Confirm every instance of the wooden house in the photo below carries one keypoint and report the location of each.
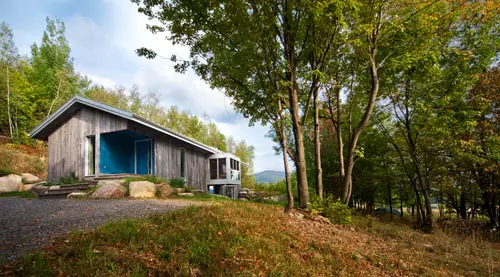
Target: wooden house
(93, 140)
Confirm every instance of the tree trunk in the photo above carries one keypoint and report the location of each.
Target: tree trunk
(317, 146)
(289, 193)
(362, 124)
(290, 77)
(401, 202)
(390, 195)
(463, 208)
(339, 139)
(55, 99)
(8, 102)
(284, 146)
(337, 126)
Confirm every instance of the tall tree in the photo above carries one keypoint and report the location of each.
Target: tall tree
(8, 56)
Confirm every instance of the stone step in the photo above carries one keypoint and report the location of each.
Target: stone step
(56, 191)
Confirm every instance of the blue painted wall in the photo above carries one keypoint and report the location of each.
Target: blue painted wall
(117, 152)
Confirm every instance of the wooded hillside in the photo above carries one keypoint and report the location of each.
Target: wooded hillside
(375, 102)
(34, 86)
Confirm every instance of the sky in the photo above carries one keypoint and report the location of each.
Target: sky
(103, 35)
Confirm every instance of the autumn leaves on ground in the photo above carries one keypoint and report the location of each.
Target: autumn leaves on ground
(241, 238)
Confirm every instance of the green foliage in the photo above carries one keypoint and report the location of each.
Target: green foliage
(70, 179)
(6, 171)
(336, 211)
(22, 194)
(177, 182)
(150, 178)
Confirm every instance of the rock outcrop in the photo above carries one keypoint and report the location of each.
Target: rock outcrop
(29, 178)
(165, 190)
(109, 189)
(11, 182)
(142, 189)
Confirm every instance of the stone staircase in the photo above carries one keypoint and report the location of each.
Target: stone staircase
(61, 191)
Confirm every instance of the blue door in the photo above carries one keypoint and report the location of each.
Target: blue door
(143, 157)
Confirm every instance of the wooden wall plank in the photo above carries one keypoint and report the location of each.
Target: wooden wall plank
(67, 148)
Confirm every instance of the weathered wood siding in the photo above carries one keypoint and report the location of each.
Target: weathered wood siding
(167, 162)
(67, 143)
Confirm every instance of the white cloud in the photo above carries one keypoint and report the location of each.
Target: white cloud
(103, 46)
(103, 81)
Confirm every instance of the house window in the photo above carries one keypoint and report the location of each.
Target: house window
(213, 169)
(90, 156)
(222, 168)
(230, 191)
(183, 163)
(235, 165)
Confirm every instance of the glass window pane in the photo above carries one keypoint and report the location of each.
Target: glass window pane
(213, 169)
(222, 168)
(91, 155)
(183, 165)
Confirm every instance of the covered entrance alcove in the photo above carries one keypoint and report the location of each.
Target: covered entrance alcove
(121, 152)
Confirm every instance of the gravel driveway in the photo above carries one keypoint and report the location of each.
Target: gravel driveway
(27, 224)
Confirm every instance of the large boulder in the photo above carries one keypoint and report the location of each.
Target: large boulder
(29, 178)
(28, 187)
(165, 190)
(109, 190)
(142, 189)
(11, 182)
(116, 181)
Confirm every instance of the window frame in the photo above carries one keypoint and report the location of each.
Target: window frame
(182, 163)
(88, 144)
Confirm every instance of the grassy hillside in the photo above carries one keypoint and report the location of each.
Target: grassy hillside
(23, 158)
(248, 239)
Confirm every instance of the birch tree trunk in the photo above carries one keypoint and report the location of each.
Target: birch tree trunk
(8, 102)
(317, 146)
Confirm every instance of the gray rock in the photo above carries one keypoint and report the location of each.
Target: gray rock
(29, 178)
(11, 182)
(142, 189)
(54, 187)
(38, 190)
(299, 215)
(114, 182)
(180, 190)
(357, 256)
(198, 191)
(28, 187)
(110, 190)
(428, 247)
(188, 194)
(323, 219)
(76, 195)
(165, 190)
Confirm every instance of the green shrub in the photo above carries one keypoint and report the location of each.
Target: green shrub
(70, 179)
(6, 171)
(150, 178)
(336, 211)
(177, 183)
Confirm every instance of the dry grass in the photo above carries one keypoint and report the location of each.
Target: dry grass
(231, 238)
(22, 158)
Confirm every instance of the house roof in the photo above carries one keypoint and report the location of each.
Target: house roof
(51, 123)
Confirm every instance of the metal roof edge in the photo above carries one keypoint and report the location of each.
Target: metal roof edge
(83, 100)
(121, 113)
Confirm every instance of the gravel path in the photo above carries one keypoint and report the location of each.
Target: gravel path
(27, 224)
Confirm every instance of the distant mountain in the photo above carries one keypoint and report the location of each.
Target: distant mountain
(269, 176)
